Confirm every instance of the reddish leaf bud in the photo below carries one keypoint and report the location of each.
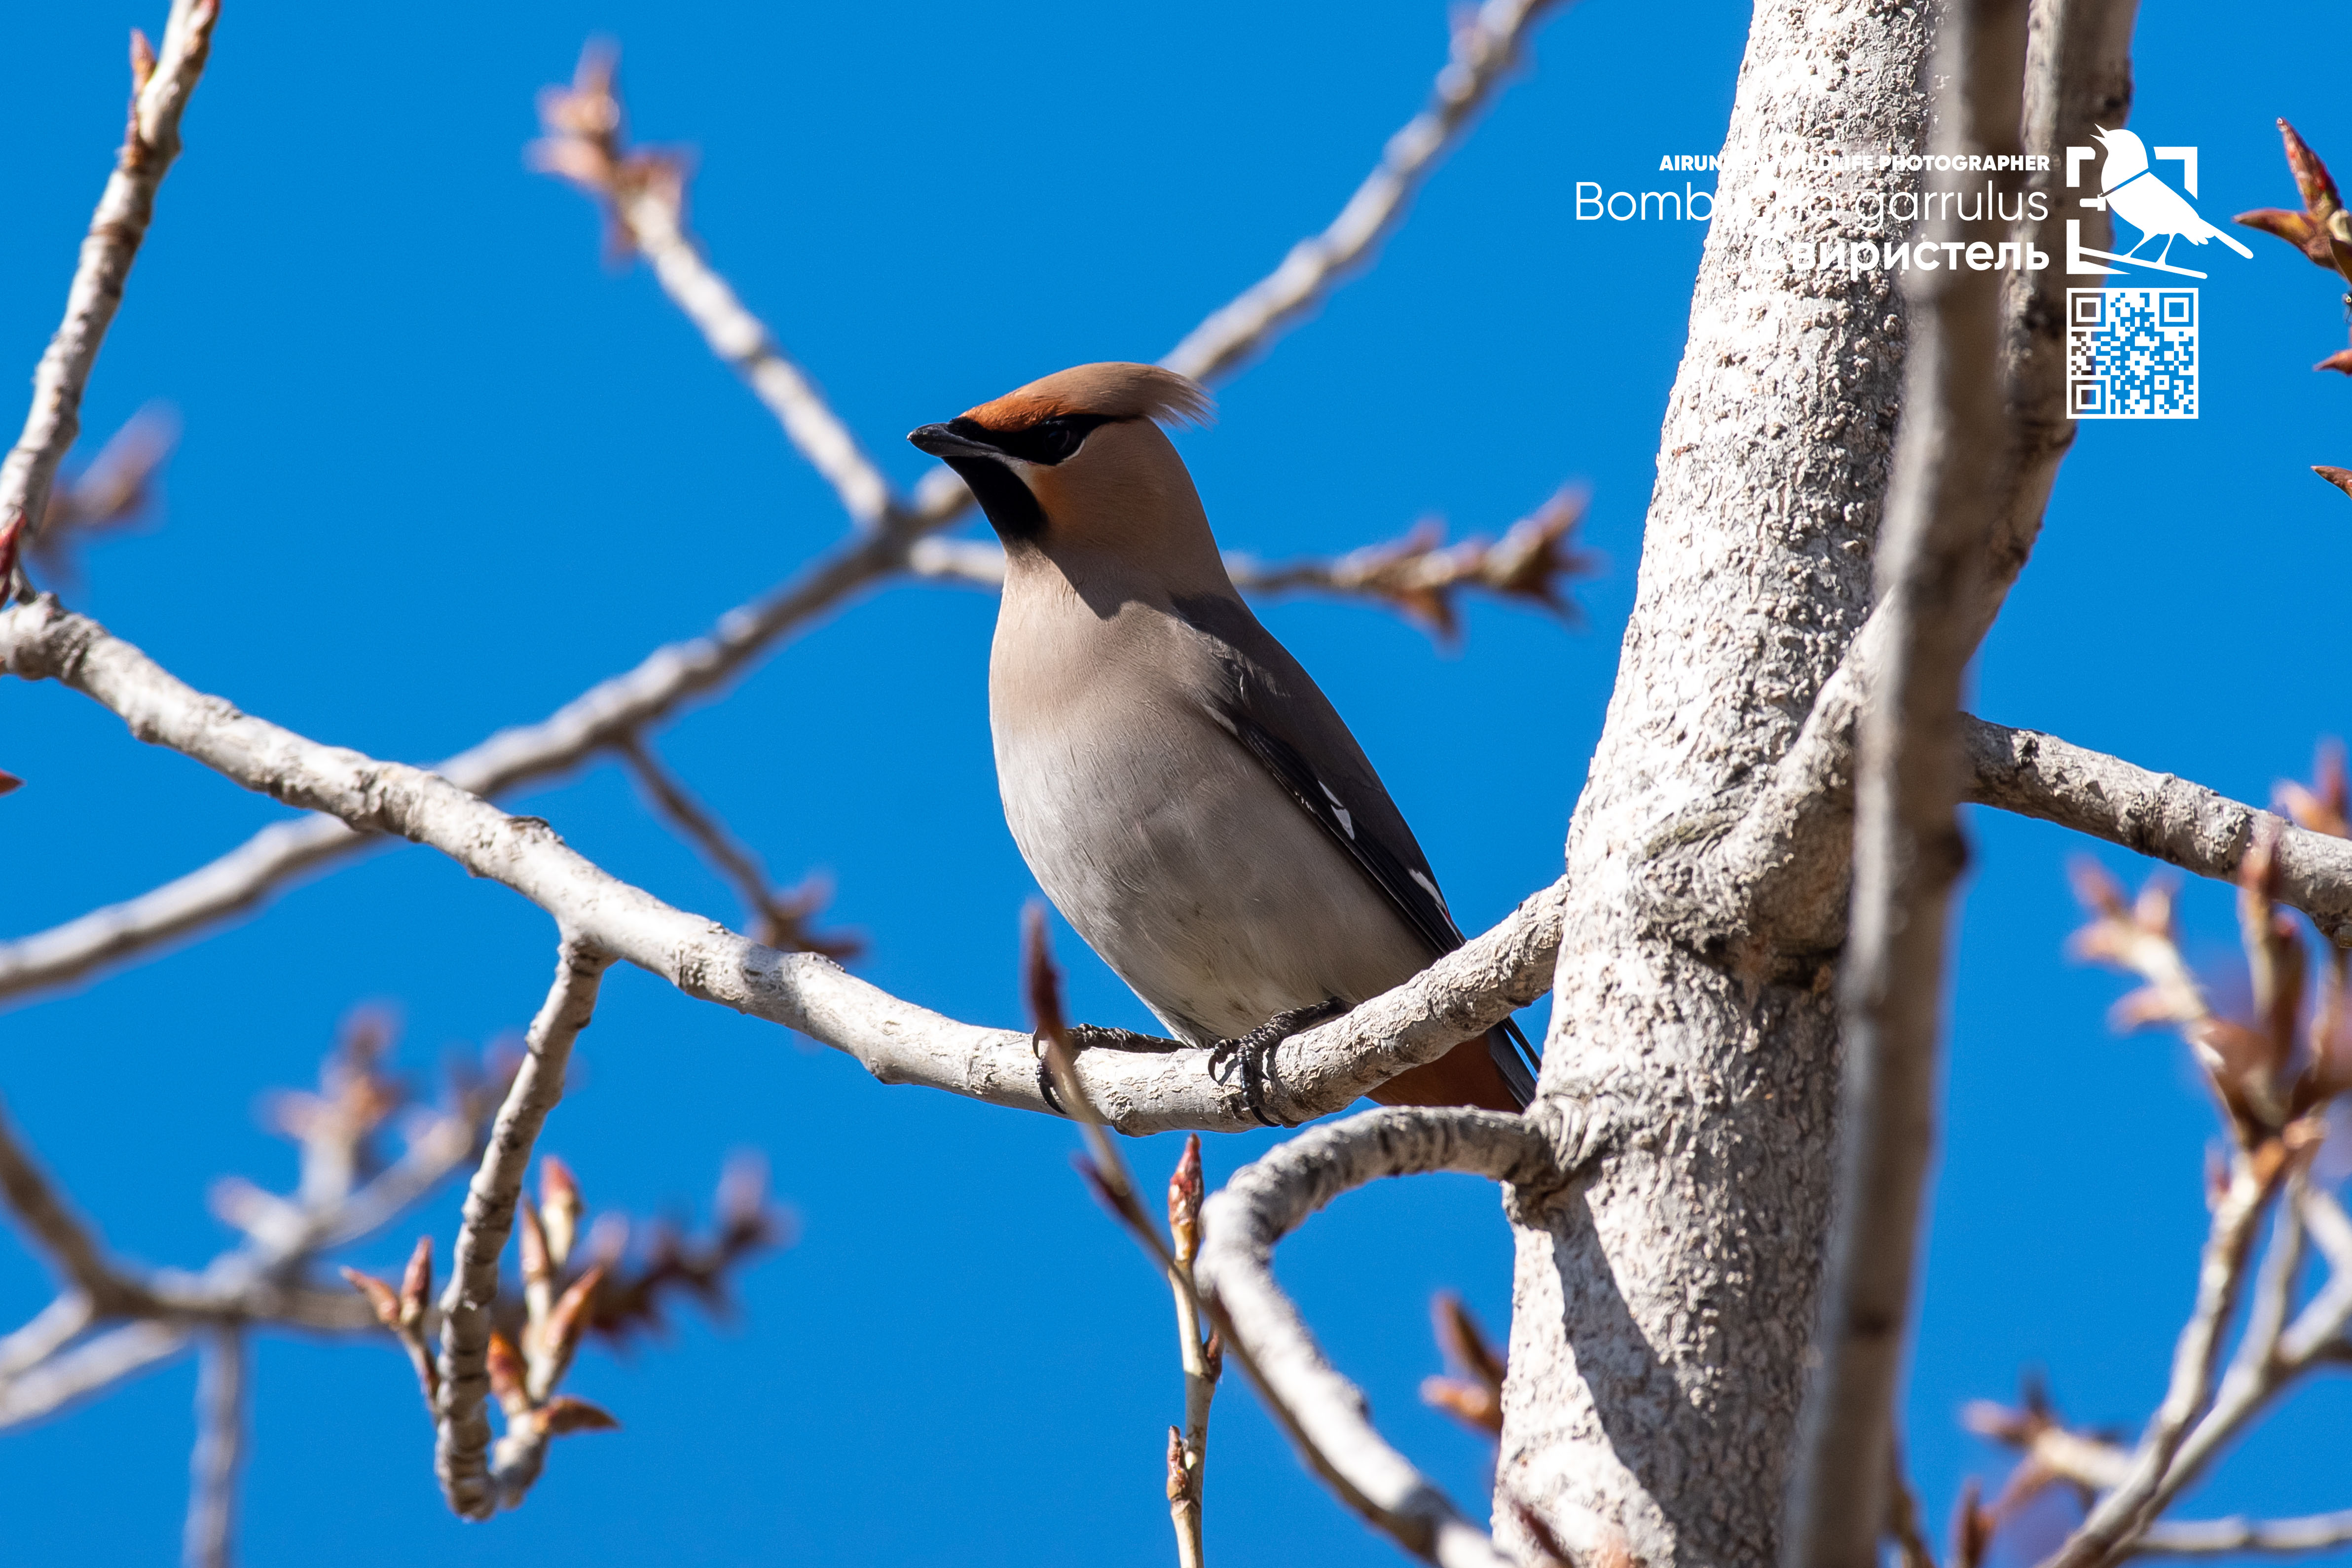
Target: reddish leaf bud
(564, 1414)
(1184, 1203)
(380, 1297)
(560, 1209)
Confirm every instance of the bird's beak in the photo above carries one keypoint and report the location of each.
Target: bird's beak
(940, 442)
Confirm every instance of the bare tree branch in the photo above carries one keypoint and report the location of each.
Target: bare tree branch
(1326, 1414)
(2155, 814)
(1421, 574)
(463, 1436)
(2314, 1336)
(1314, 1073)
(1486, 45)
(219, 1453)
(160, 85)
(1951, 458)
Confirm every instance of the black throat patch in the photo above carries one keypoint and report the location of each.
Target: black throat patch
(1012, 506)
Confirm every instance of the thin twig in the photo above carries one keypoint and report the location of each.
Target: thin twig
(1485, 46)
(219, 1452)
(160, 83)
(2124, 1513)
(1952, 454)
(782, 917)
(71, 1245)
(643, 197)
(462, 1441)
(2311, 1338)
(1202, 1358)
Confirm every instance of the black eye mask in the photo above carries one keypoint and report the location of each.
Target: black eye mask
(1046, 443)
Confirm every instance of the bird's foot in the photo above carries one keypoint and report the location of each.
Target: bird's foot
(1092, 1037)
(1254, 1051)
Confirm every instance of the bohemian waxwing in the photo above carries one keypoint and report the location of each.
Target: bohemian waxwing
(1185, 795)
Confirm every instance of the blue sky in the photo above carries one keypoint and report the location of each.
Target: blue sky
(443, 467)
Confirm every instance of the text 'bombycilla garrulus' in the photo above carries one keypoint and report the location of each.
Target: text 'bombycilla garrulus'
(1185, 795)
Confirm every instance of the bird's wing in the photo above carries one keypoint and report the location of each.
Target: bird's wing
(1268, 701)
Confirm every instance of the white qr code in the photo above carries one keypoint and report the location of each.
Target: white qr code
(2131, 353)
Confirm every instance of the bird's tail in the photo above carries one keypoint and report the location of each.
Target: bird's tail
(2231, 241)
(1515, 1059)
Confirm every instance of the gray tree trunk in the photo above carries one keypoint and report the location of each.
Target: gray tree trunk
(1660, 1321)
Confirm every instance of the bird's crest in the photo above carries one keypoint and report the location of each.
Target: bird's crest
(1112, 390)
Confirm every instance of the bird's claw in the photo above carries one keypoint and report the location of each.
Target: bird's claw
(1254, 1052)
(1045, 1077)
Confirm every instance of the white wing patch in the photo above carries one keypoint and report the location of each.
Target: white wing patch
(1347, 822)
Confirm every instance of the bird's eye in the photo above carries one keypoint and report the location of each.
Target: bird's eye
(1056, 439)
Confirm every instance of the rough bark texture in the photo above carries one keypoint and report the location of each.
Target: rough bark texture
(1661, 1320)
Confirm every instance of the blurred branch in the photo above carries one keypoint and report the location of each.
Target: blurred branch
(628, 1294)
(781, 915)
(1485, 46)
(463, 1431)
(2276, 1076)
(1321, 1070)
(72, 1248)
(1473, 1396)
(115, 489)
(2078, 79)
(1955, 452)
(677, 674)
(1324, 1414)
(347, 1193)
(97, 1363)
(160, 83)
(2213, 1537)
(51, 1329)
(219, 1452)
